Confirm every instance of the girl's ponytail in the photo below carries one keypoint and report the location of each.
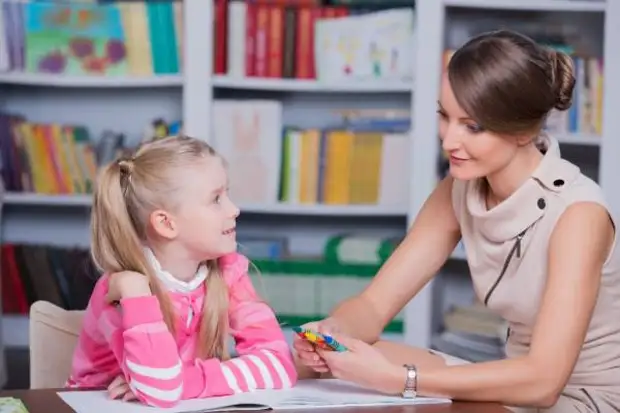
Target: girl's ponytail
(115, 241)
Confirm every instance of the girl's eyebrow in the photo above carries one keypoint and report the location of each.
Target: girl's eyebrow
(218, 189)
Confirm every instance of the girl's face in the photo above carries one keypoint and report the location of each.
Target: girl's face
(472, 152)
(205, 219)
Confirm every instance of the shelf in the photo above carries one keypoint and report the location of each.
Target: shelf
(17, 198)
(296, 85)
(33, 79)
(24, 199)
(525, 5)
(579, 139)
(325, 210)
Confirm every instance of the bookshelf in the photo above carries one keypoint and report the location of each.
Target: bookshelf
(129, 103)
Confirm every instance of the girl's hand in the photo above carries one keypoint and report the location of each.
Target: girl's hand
(126, 284)
(119, 389)
(364, 365)
(306, 351)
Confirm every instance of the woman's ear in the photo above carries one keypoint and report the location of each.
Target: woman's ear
(163, 224)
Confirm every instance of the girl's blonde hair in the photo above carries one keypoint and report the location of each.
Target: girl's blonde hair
(127, 191)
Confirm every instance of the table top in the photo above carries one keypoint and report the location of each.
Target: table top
(47, 400)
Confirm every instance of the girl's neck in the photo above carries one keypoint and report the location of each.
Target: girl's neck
(176, 263)
(505, 182)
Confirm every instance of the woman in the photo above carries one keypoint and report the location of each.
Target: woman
(540, 246)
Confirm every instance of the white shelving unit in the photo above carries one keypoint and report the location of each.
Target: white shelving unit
(130, 103)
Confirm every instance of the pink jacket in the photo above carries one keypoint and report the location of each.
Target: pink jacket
(161, 369)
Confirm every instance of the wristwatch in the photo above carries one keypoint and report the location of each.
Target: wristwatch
(411, 382)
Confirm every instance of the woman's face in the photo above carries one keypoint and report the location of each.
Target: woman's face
(472, 151)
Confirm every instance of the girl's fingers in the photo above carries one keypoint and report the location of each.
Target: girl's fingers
(118, 380)
(129, 396)
(119, 391)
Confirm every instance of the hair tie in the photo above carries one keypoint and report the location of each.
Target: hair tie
(126, 168)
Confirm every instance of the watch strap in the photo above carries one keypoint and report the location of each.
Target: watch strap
(411, 382)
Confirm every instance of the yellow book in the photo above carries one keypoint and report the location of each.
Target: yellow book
(61, 157)
(338, 167)
(69, 146)
(45, 160)
(366, 168)
(36, 172)
(137, 38)
(309, 166)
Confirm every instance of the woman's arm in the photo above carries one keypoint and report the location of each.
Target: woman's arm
(430, 241)
(578, 248)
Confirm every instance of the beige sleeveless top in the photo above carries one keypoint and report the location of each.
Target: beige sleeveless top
(507, 256)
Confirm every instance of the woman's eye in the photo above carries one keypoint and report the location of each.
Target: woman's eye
(474, 128)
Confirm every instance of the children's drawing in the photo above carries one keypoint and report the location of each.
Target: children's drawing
(77, 39)
(369, 46)
(250, 175)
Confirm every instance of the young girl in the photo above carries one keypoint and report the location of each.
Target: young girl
(173, 289)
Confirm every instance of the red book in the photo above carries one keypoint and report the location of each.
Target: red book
(275, 44)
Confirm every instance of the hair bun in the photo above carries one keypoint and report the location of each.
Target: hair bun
(563, 79)
(126, 165)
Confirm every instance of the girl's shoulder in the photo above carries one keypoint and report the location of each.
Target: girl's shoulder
(233, 266)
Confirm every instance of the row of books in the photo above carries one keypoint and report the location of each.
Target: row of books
(362, 160)
(46, 158)
(81, 38)
(359, 161)
(345, 167)
(59, 158)
(63, 276)
(286, 40)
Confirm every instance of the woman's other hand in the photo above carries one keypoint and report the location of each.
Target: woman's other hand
(363, 365)
(307, 352)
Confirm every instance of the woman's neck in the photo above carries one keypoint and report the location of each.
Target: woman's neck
(505, 182)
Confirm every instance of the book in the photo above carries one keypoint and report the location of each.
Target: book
(307, 394)
(12, 405)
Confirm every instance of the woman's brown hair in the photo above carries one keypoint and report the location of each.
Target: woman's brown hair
(508, 83)
(127, 191)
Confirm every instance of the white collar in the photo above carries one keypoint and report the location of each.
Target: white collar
(170, 282)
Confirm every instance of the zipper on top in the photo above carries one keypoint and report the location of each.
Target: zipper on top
(515, 250)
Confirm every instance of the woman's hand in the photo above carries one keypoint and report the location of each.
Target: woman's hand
(126, 284)
(119, 389)
(306, 351)
(364, 365)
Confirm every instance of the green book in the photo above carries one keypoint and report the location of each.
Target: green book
(12, 405)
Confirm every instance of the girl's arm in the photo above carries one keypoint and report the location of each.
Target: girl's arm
(428, 244)
(135, 332)
(264, 358)
(579, 245)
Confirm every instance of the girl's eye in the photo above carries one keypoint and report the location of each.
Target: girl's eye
(217, 199)
(441, 113)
